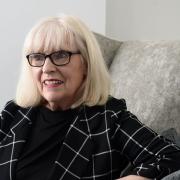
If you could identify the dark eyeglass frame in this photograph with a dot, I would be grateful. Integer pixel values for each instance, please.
(69, 53)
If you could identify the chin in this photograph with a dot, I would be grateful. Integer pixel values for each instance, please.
(52, 98)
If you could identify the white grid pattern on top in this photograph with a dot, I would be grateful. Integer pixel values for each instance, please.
(127, 137)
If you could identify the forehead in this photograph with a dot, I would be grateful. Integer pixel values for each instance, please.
(51, 37)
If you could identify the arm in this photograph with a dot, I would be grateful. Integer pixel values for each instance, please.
(6, 118)
(1, 132)
(151, 155)
(132, 177)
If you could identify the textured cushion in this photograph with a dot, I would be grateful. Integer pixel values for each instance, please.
(147, 75)
(173, 176)
(172, 135)
(108, 47)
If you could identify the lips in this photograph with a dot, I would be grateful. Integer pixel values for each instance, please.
(52, 82)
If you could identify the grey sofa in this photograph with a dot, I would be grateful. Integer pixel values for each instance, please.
(147, 75)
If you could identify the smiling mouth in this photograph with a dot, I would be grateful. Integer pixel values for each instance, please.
(53, 82)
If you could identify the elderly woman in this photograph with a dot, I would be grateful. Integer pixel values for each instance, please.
(64, 125)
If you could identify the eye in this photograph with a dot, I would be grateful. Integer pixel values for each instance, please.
(60, 55)
(36, 57)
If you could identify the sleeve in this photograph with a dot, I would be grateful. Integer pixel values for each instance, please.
(150, 154)
(0, 125)
(2, 133)
(6, 117)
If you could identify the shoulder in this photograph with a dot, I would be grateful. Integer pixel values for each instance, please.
(116, 104)
(10, 109)
(7, 116)
(13, 110)
(109, 115)
(11, 113)
(112, 105)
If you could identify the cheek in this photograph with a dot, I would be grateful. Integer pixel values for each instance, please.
(84, 67)
(74, 79)
(37, 77)
(84, 71)
(79, 72)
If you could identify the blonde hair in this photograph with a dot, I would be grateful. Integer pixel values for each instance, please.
(55, 33)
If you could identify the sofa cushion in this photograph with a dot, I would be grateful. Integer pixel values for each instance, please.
(173, 176)
(172, 135)
(108, 47)
(147, 75)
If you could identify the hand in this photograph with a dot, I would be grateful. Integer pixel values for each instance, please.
(133, 177)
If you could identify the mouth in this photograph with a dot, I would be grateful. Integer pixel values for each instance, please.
(52, 82)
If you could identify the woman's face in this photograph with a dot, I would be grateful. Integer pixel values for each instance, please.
(60, 86)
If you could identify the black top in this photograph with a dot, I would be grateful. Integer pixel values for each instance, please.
(43, 144)
(98, 142)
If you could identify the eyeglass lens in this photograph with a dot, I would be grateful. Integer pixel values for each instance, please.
(58, 58)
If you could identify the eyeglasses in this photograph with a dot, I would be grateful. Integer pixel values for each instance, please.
(58, 58)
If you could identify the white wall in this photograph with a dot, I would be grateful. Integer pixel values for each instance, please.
(18, 16)
(143, 19)
(119, 19)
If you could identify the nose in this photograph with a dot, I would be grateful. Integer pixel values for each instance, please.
(48, 66)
